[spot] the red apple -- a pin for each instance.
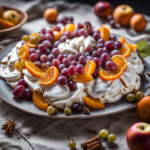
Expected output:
(138, 136)
(103, 9)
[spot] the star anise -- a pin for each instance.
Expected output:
(9, 126)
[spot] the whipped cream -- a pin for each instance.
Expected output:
(77, 44)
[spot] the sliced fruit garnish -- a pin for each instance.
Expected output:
(110, 75)
(23, 52)
(86, 77)
(34, 34)
(133, 47)
(39, 101)
(5, 24)
(90, 67)
(20, 64)
(70, 27)
(120, 61)
(122, 40)
(57, 35)
(35, 71)
(50, 76)
(125, 50)
(104, 32)
(30, 44)
(93, 102)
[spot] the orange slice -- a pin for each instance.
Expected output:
(86, 77)
(125, 50)
(133, 47)
(29, 43)
(20, 64)
(39, 101)
(93, 102)
(110, 75)
(90, 67)
(122, 40)
(5, 24)
(50, 76)
(104, 32)
(35, 71)
(70, 27)
(23, 52)
(120, 61)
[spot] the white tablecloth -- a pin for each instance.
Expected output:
(51, 134)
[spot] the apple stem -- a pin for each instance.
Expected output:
(124, 8)
(142, 127)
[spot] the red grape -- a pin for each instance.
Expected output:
(42, 48)
(63, 39)
(65, 55)
(100, 51)
(72, 85)
(111, 66)
(87, 54)
(56, 28)
(71, 57)
(72, 70)
(70, 18)
(49, 37)
(77, 108)
(56, 44)
(61, 67)
(32, 50)
(142, 76)
(48, 51)
(33, 57)
(38, 64)
(43, 30)
(89, 49)
(44, 58)
(74, 63)
(64, 72)
(95, 74)
(112, 37)
(105, 49)
(80, 69)
(109, 45)
(75, 33)
(55, 52)
(28, 93)
(47, 43)
(48, 64)
(56, 63)
(97, 61)
(80, 26)
(105, 57)
(22, 82)
(66, 62)
(60, 57)
(87, 23)
(42, 37)
(51, 57)
(90, 30)
(68, 34)
(96, 36)
(62, 80)
(61, 20)
(50, 32)
(19, 91)
(115, 52)
(77, 55)
(81, 32)
(101, 40)
(118, 44)
(38, 52)
(82, 60)
(94, 54)
(100, 45)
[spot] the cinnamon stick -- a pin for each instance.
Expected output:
(93, 143)
(84, 144)
(95, 147)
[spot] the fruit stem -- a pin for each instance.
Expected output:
(124, 8)
(142, 127)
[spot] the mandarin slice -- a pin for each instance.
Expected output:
(104, 32)
(125, 50)
(83, 78)
(23, 52)
(20, 65)
(70, 27)
(120, 61)
(39, 101)
(133, 47)
(90, 67)
(122, 40)
(50, 76)
(93, 102)
(34, 70)
(110, 75)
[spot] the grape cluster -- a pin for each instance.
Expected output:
(112, 22)
(22, 90)
(135, 96)
(65, 20)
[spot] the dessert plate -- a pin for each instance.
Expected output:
(29, 107)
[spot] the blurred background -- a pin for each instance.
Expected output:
(140, 6)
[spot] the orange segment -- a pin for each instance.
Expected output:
(23, 52)
(104, 32)
(93, 102)
(122, 40)
(70, 27)
(133, 47)
(82, 78)
(110, 75)
(50, 76)
(125, 50)
(20, 64)
(30, 44)
(57, 35)
(35, 71)
(120, 61)
(39, 101)
(90, 67)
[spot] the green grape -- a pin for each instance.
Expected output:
(67, 111)
(39, 36)
(111, 138)
(130, 97)
(139, 95)
(103, 133)
(35, 40)
(72, 144)
(25, 38)
(50, 110)
(55, 110)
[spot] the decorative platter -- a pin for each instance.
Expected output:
(29, 107)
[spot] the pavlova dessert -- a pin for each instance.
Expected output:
(72, 66)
